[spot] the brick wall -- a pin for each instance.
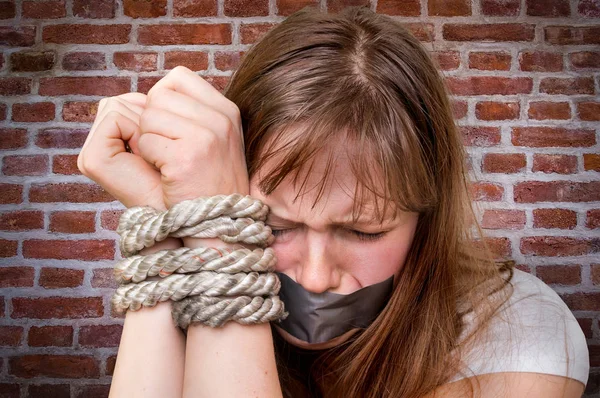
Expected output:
(525, 81)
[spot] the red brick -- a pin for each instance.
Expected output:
(49, 390)
(218, 82)
(335, 6)
(136, 61)
(145, 83)
(586, 326)
(288, 7)
(86, 34)
(11, 193)
(575, 35)
(559, 274)
(16, 276)
(84, 61)
(194, 60)
(100, 335)
(490, 60)
(589, 8)
(489, 32)
(15, 85)
(486, 191)
(57, 366)
(567, 86)
(80, 111)
(552, 137)
(8, 248)
(500, 8)
(74, 222)
(480, 136)
(32, 61)
(595, 271)
(556, 191)
(554, 163)
(582, 301)
(489, 85)
(57, 307)
(2, 110)
(490, 110)
(554, 218)
(244, 8)
(94, 9)
(422, 31)
(85, 85)
(449, 8)
(228, 60)
(585, 60)
(555, 246)
(21, 220)
(191, 9)
(44, 9)
(110, 364)
(188, 33)
(68, 192)
(447, 60)
(61, 138)
(503, 162)
(592, 219)
(65, 164)
(2, 314)
(87, 250)
(92, 390)
(17, 36)
(540, 61)
(547, 110)
(56, 278)
(7, 10)
(503, 219)
(13, 138)
(48, 336)
(548, 8)
(10, 336)
(33, 112)
(588, 110)
(459, 108)
(25, 165)
(253, 32)
(104, 277)
(591, 161)
(500, 247)
(145, 9)
(109, 219)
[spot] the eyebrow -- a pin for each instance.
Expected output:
(363, 222)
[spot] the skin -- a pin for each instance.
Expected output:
(324, 257)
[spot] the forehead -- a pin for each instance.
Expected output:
(292, 199)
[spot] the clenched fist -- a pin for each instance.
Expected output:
(192, 134)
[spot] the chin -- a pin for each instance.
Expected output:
(315, 346)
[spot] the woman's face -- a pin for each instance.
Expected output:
(316, 250)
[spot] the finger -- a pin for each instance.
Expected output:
(185, 81)
(155, 149)
(170, 125)
(113, 130)
(187, 107)
(115, 103)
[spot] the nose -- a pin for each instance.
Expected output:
(319, 264)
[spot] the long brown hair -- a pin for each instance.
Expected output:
(365, 76)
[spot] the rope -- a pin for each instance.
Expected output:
(207, 285)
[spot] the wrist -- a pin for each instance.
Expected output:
(168, 243)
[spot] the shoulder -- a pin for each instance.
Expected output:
(534, 331)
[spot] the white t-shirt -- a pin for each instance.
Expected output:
(543, 336)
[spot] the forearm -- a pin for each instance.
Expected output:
(232, 361)
(150, 361)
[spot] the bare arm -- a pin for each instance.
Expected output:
(233, 361)
(150, 361)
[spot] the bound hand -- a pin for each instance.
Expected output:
(193, 135)
(104, 159)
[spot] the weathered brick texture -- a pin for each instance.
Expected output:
(524, 79)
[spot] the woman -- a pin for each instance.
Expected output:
(342, 125)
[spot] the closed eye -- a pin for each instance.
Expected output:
(363, 236)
